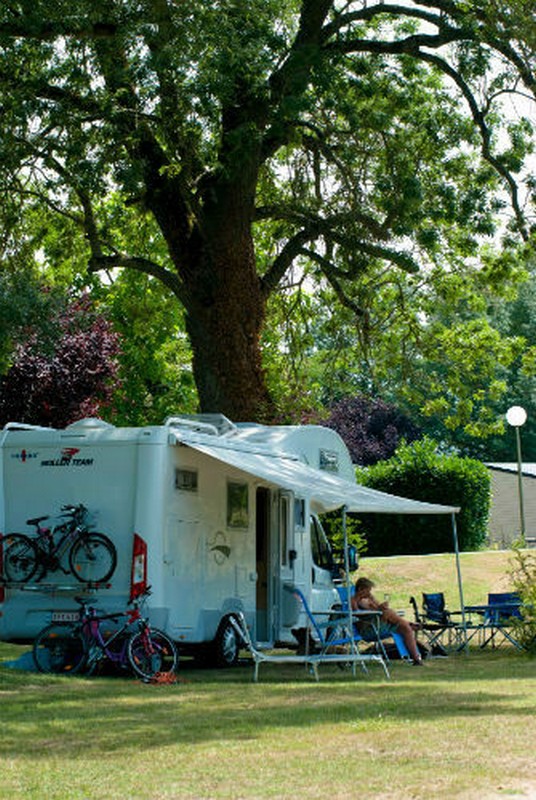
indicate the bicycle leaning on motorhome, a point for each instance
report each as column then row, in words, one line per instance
column 91, row 556
column 95, row 638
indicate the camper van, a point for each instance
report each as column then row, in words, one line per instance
column 216, row 517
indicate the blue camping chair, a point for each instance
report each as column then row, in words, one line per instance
column 369, row 633
column 504, row 605
column 326, row 634
column 437, row 622
column 502, row 609
column 333, row 634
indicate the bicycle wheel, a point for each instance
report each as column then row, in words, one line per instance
column 60, row 649
column 20, row 558
column 92, row 558
column 151, row 651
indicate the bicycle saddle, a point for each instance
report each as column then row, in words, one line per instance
column 36, row 521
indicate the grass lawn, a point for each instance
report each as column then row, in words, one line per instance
column 403, row 576
column 462, row 727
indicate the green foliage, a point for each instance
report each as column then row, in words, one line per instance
column 437, row 345
column 28, row 299
column 523, row 574
column 332, row 524
column 155, row 373
column 420, row 472
column 227, row 149
column 22, row 303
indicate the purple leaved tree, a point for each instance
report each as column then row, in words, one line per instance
column 66, row 374
column 370, row 428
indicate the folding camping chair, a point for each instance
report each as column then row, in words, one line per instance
column 332, row 636
column 436, row 622
column 502, row 609
column 370, row 632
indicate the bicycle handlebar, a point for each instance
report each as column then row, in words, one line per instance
column 71, row 510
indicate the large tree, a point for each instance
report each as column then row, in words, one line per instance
column 350, row 135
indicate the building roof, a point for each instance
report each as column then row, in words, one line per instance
column 528, row 470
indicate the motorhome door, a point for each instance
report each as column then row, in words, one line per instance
column 287, row 610
column 275, row 562
column 264, row 601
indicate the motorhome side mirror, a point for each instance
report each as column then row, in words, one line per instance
column 292, row 556
column 353, row 558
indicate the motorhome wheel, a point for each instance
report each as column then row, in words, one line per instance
column 226, row 645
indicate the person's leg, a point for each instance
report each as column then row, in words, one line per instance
column 408, row 634
column 404, row 628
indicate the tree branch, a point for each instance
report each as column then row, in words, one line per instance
column 400, row 258
column 170, row 279
column 99, row 261
column 292, row 77
column 323, row 224
column 331, row 277
column 48, row 30
column 501, row 45
column 370, row 12
column 288, row 254
column 485, row 135
column 413, row 45
column 314, row 227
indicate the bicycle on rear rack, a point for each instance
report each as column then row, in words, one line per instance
column 67, row 648
column 92, row 557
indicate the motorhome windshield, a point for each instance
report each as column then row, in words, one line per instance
column 322, row 553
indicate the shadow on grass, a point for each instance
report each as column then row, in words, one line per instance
column 101, row 716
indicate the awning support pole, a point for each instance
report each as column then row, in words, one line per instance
column 353, row 645
column 460, row 584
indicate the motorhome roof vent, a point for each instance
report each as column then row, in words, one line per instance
column 215, row 424
column 89, row 423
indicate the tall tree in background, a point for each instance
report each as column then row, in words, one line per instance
column 351, row 137
column 431, row 344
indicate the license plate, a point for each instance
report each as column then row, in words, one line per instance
column 65, row 616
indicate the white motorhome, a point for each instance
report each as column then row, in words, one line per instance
column 226, row 516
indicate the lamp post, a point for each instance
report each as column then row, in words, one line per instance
column 516, row 416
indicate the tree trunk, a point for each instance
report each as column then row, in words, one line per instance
column 225, row 312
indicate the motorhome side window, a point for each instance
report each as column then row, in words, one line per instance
column 321, row 549
column 299, row 512
column 237, row 505
column 186, row 480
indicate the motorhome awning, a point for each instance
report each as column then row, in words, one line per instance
column 326, row 490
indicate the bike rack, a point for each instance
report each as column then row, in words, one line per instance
column 54, row 587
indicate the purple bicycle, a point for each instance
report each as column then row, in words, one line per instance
column 70, row 648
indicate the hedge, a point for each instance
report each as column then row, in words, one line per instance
column 420, row 472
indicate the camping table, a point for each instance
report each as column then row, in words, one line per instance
column 494, row 619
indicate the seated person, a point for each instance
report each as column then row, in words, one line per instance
column 391, row 622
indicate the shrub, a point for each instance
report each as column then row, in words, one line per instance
column 420, row 472
column 523, row 574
